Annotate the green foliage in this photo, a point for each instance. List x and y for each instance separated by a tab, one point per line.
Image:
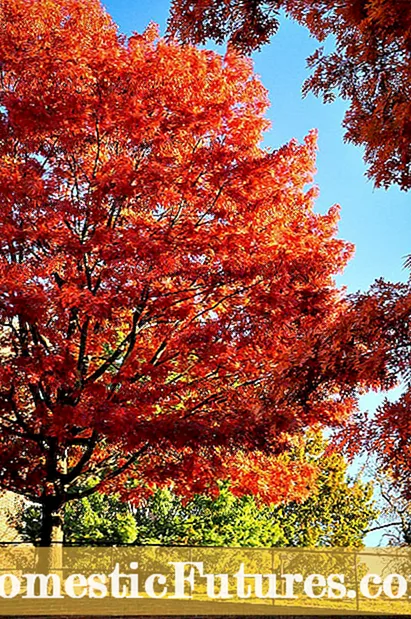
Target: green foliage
226	520
98	518
337	513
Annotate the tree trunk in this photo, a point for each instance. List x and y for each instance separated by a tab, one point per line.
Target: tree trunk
51	532
51	538
52	510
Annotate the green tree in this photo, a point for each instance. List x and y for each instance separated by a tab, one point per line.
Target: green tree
340	509
226	520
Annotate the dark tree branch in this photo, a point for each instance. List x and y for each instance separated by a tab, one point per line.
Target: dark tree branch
120	469
68	477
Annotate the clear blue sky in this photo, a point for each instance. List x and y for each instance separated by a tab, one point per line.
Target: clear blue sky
378	222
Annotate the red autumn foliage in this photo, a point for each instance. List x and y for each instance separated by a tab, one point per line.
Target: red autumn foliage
167	291
370	67
382	319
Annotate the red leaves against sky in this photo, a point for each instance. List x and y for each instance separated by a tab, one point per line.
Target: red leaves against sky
166	290
370	67
382	316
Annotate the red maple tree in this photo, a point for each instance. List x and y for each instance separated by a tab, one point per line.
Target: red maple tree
166	290
370	66
381	319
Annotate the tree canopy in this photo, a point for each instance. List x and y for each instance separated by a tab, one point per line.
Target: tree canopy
167	296
370	64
